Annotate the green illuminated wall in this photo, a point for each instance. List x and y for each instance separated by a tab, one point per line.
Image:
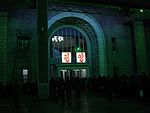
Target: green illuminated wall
12	25
122	57
3	46
147	40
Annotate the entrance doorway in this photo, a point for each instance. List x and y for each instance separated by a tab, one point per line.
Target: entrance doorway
73	73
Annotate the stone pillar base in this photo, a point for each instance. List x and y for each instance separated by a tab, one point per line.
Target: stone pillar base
43	91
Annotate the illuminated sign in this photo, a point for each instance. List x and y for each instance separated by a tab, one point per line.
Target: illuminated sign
58	39
66	57
25	71
80	57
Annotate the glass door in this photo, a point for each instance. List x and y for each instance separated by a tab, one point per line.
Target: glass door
83	73
76	72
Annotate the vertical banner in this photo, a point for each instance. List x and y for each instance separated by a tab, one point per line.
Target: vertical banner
66	57
80	56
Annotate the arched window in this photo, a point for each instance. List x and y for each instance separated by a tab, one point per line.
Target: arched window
67	39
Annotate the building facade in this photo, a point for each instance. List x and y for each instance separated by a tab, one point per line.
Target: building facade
83	41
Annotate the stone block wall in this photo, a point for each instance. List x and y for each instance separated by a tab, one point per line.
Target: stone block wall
3	46
114	28
22	23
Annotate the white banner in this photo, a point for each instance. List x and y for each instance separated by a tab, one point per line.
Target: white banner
80	56
66	57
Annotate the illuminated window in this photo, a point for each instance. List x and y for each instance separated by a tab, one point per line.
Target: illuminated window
25	75
67	39
25	71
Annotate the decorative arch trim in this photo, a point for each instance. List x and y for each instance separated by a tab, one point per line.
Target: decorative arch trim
98	30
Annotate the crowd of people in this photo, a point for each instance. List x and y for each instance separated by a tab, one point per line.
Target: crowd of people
137	87
8	89
15	90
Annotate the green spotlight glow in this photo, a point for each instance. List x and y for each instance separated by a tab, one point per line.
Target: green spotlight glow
78	49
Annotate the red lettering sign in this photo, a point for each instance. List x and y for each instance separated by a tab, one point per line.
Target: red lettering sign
66	57
80	57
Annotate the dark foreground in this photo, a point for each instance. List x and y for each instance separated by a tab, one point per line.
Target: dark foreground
88	103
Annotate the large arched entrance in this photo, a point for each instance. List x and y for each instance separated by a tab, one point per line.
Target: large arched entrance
81	32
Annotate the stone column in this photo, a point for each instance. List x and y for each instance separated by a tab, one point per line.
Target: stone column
42	33
141	57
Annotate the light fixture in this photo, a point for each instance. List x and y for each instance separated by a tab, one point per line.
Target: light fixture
58	39
78	49
141	10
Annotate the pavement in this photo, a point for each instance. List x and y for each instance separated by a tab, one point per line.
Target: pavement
87	104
